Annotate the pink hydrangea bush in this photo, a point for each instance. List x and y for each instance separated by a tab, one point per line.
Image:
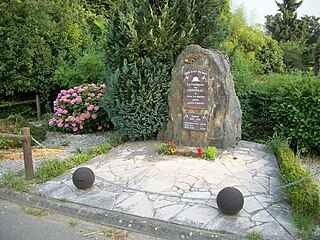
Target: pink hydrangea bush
79	110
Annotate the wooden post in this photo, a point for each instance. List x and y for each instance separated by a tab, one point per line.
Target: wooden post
38	106
27	154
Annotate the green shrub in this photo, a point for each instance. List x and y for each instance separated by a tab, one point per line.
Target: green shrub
304	196
296	113
88	68
244	70
210	153
271	58
23	109
287	104
136	98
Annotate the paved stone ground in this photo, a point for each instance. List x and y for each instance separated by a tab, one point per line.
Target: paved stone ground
133	178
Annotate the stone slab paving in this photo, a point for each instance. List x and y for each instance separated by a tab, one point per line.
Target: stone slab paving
135	179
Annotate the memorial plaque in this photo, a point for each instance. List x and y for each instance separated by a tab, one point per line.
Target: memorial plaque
195	89
196	122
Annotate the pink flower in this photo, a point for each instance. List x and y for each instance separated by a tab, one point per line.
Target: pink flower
87	115
55	103
99	128
102	86
75	129
94	116
51	122
71	91
78	120
74	95
63	92
82	118
60	125
96	108
66	125
78	99
70	118
80	90
91	107
73	125
72	101
86	103
65	111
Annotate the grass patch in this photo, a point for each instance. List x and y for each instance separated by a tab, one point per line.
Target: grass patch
255	235
305	224
34	211
73	223
302	197
15	181
53	167
110	233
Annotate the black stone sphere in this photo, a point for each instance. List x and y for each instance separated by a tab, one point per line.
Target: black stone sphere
230	200
83	178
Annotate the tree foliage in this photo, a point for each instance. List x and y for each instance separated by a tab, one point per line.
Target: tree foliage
35	37
243	38
271	57
285	26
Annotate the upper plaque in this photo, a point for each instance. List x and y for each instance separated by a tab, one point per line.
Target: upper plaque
195	89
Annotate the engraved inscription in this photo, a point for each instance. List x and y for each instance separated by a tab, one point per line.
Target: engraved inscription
196	122
195	89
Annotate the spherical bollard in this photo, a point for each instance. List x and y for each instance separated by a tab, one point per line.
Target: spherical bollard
230	200
83	178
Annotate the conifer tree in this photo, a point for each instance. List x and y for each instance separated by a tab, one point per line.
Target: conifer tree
285	26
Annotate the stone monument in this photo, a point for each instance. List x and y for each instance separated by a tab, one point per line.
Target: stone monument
204	109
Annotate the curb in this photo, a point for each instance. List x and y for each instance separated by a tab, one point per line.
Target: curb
149	226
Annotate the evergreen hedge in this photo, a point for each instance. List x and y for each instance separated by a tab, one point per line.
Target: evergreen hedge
286	104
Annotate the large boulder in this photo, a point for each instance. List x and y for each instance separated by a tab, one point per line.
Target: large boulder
204	109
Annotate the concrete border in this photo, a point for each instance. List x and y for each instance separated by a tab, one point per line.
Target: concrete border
117	219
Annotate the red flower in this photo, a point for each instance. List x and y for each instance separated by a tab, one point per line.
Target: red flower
169	143
200	152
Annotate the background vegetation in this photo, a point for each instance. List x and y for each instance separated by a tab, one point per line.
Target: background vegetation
131	47
49	46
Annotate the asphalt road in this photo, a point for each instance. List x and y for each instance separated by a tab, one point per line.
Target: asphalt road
18	222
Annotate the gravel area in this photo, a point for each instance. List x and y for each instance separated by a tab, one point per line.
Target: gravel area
70	144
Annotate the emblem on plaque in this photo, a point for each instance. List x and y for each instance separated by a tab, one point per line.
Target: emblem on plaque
195	89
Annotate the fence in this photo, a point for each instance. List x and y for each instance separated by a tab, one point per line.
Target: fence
27	153
37	101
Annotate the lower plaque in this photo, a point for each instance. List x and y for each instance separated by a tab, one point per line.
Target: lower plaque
196	122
